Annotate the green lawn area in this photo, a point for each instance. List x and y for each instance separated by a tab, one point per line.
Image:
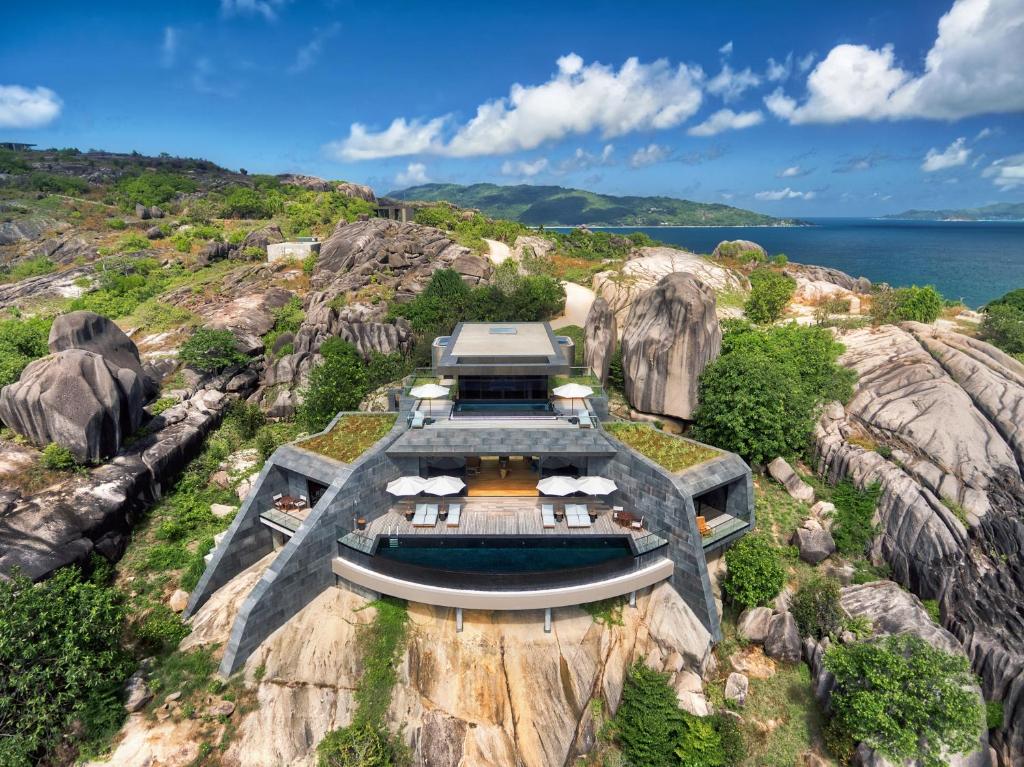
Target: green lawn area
674	453
351	436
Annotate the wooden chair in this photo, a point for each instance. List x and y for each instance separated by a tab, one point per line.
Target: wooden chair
702	527
638	524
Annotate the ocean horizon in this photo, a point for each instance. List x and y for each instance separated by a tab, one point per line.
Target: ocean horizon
974	261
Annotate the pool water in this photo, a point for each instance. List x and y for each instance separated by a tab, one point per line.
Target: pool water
506	555
501	408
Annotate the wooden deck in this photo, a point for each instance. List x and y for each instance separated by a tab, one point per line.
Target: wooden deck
519	481
513	515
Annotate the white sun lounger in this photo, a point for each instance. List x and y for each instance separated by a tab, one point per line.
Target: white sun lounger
547	513
454	514
576	515
429	517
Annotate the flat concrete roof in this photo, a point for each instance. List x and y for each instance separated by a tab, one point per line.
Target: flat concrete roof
503	339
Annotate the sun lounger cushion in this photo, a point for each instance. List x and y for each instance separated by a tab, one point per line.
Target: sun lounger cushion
547	513
576	515
417	420
585	422
454	513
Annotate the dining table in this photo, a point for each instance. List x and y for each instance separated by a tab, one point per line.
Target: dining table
624	519
287	503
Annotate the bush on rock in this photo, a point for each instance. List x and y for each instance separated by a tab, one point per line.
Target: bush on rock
755	571
770	291
210	350
816	608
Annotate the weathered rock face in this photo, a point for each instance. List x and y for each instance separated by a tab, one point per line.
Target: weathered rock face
359	191
93	512
782	642
369	264
783	473
890	610
950	409
76	399
826	275
601	336
313	183
671	335
736	248
642	272
500	693
262	237
93	333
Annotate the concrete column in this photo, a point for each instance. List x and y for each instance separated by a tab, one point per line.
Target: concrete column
458	620
547	620
632	599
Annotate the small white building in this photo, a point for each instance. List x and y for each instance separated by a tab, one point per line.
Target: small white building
298	248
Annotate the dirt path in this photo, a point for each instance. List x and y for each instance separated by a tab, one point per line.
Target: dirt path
577	305
498	252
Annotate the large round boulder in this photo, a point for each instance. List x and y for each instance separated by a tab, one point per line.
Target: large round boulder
600	337
77	399
744	250
670	336
93	333
360	191
262	237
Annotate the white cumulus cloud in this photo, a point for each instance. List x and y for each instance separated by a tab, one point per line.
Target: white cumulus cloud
726	119
414	173
975	66
955	154
730	84
1006	173
524	167
784	194
581	159
776	71
169	47
22	107
578	99
266	8
649	155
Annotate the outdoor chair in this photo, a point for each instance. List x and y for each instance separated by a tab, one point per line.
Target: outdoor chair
638	524
454	514
417	420
576	515
277	497
702	527
547	513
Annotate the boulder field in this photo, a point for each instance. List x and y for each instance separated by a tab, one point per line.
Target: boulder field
936	420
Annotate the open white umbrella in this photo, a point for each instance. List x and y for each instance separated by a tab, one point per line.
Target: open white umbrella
406	485
557	486
596	485
572	391
429	392
443	485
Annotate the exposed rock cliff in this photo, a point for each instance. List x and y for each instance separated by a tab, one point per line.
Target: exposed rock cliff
500	693
601	337
949	408
93	333
670	336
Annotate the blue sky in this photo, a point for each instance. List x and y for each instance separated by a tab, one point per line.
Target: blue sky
799	108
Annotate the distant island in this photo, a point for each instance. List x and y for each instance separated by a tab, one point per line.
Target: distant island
560	206
1001	211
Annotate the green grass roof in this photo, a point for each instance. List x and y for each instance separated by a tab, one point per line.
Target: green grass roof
350	437
674	453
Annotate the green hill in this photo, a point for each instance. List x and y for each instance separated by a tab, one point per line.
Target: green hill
1001	211
559	206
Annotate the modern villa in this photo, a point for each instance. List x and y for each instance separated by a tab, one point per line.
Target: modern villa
498	482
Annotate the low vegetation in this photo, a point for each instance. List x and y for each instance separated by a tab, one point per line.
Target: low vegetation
1003	323
892	305
673	453
816	609
351	436
21	341
770	292
762	395
29	267
67	678
366	742
756	574
904	698
853	526
210	350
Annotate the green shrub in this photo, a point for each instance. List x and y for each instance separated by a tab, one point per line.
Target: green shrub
57	457
12	164
132	243
21	341
61	654
159	631
245	419
211	350
762	395
994	714
124	284
904	698
1003	324
769	293
116	223
755	572
245	202
309	263
53	184
780	259
919	304
266	443
816	608
653	731
30	267
150	188
338	383
363	745
852	526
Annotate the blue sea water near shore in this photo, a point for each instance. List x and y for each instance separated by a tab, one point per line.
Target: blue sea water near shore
975	261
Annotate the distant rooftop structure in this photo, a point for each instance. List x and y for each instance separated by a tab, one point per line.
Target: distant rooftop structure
485	348
15	146
300	247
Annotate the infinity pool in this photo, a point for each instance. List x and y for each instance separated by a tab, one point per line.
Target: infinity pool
505	555
499	409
